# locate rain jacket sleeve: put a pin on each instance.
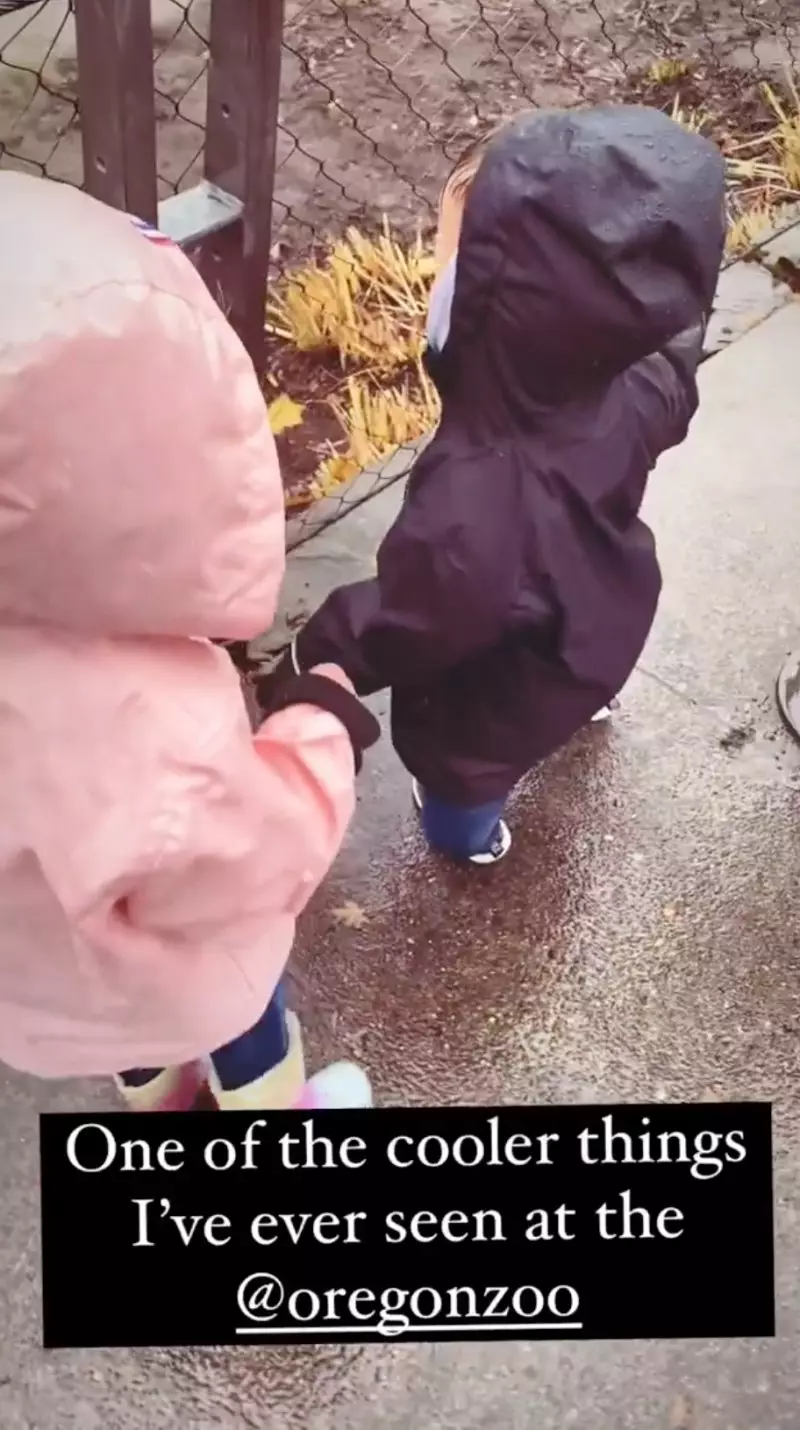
(255, 823)
(247, 828)
(150, 914)
(443, 589)
(663, 389)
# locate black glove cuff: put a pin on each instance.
(361, 726)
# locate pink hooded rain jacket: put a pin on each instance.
(153, 855)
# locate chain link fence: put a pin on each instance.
(378, 99)
(380, 96)
(39, 112)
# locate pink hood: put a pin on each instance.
(153, 855)
(138, 485)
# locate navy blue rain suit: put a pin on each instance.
(517, 587)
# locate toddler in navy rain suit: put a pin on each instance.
(518, 585)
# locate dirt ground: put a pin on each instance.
(380, 95)
(384, 94)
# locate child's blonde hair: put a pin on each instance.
(454, 195)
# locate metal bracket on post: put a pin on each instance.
(195, 215)
(225, 223)
(116, 97)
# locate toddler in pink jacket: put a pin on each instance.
(154, 854)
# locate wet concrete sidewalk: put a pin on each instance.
(641, 942)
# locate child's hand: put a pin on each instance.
(335, 673)
(284, 688)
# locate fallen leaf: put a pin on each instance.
(350, 915)
(284, 412)
(681, 1416)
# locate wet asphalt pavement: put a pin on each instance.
(640, 943)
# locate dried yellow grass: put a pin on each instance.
(763, 170)
(785, 138)
(695, 120)
(376, 421)
(367, 301)
(667, 71)
(750, 227)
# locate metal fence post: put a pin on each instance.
(225, 223)
(116, 96)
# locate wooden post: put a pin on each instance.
(241, 137)
(225, 223)
(116, 97)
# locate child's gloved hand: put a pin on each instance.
(288, 668)
(328, 688)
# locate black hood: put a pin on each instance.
(590, 239)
